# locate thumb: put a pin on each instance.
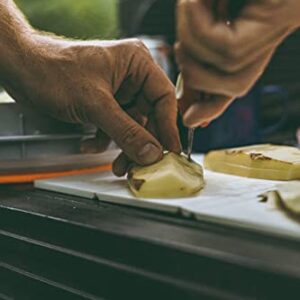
(200, 108)
(137, 143)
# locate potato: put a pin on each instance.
(260, 161)
(286, 196)
(289, 195)
(173, 177)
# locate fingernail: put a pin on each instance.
(149, 154)
(205, 124)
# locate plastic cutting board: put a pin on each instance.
(226, 199)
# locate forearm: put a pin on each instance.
(14, 35)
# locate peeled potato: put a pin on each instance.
(285, 196)
(289, 195)
(260, 161)
(173, 177)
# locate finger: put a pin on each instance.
(189, 41)
(159, 92)
(133, 139)
(96, 145)
(127, 92)
(144, 106)
(224, 61)
(165, 117)
(247, 35)
(189, 97)
(204, 78)
(137, 116)
(121, 165)
(205, 109)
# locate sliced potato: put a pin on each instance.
(173, 177)
(289, 195)
(260, 161)
(286, 196)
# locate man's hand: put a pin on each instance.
(225, 61)
(113, 85)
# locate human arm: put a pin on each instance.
(114, 85)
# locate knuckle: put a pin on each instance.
(231, 60)
(138, 44)
(229, 66)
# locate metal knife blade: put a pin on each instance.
(191, 131)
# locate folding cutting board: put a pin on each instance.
(226, 199)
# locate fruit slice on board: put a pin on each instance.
(173, 177)
(267, 161)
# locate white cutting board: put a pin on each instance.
(225, 199)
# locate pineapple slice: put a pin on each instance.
(260, 161)
(173, 177)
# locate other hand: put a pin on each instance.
(225, 61)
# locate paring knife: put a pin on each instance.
(191, 131)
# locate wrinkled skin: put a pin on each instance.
(224, 62)
(115, 86)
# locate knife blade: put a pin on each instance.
(191, 131)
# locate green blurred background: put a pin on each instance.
(85, 19)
